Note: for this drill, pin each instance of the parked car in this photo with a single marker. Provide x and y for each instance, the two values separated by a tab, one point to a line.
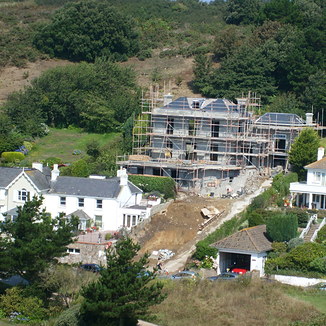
319	286
184	275
239	270
95	268
223	276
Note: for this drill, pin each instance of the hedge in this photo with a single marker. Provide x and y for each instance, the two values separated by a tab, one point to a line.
282	227
227	228
164	185
12	156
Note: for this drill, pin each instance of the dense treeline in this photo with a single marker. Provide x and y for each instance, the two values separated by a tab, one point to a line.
274	48
98	97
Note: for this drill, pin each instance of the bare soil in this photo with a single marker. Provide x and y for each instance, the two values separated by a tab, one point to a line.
179	224
13	78
168	69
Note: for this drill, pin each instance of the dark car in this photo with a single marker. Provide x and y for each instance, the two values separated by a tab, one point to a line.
223	276
184	275
95	268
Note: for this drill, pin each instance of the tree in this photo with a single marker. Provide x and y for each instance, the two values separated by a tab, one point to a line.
85	30
123	293
244	12
33	241
303	151
282	227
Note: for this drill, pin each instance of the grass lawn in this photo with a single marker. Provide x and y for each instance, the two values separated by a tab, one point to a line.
316	298
62	142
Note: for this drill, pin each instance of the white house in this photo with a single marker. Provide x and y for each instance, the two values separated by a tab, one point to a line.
245	249
311	193
109	203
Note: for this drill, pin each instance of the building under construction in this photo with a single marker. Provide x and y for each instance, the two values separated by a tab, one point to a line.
202	142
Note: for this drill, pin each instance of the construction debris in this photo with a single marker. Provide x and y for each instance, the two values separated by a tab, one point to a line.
209	212
163	254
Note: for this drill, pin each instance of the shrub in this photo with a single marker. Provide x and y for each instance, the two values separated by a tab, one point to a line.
319	265
293	243
108	236
164	185
282	227
69	317
255	218
15	304
203	250
321	236
49	161
12	156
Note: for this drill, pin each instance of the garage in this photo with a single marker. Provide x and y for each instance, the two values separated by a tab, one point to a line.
246	249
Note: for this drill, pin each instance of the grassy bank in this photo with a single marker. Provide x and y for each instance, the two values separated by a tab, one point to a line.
234	303
62	142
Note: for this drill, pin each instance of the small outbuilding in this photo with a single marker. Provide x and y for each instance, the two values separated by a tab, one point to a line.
245	249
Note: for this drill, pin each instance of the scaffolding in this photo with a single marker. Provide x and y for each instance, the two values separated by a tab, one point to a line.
181	136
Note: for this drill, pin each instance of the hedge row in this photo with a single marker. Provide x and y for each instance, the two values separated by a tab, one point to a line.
164	185
12	156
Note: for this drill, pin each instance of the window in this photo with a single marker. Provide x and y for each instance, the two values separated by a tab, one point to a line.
99	203
23	195
98	221
81	202
134	219
317	177
73	251
63	201
170	126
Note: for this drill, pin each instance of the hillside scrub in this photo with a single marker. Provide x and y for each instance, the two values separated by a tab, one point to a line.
164	185
230	303
98	97
85	30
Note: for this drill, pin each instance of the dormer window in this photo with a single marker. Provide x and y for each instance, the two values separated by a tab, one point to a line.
195	104
23	195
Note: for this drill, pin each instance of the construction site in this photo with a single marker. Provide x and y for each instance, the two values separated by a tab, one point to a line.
210	146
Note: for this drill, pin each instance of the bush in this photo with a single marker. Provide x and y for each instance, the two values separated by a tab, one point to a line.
321	236
319	265
49	161
14	304
69	317
164	185
282	227
203	250
293	243
12	157
108	236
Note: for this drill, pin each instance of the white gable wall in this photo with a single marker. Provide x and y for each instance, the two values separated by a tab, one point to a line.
20	183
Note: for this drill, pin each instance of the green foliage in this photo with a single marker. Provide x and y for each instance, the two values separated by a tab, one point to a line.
86	30
295	242
255	218
203	248
164	185
14	301
303	151
282	227
49	161
281	183
93	148
321	235
85	95
33	241
12	156
78	168
123	292
244	11
279	247
303	216
69	317
303	258
319	265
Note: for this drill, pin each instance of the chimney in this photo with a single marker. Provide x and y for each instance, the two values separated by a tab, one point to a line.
55	172
167	99
321	152
309	118
37	166
122	174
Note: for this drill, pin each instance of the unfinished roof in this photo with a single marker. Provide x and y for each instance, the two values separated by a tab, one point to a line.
321	164
190	103
251	239
280	119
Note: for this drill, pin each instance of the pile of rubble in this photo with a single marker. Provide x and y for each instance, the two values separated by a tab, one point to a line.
163	254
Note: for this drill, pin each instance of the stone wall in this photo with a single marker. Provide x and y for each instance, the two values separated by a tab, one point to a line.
85	253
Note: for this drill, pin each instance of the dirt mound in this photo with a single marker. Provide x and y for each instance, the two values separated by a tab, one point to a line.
173	228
